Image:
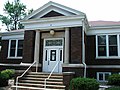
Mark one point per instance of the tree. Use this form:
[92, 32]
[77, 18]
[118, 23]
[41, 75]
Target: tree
[6, 21]
[15, 11]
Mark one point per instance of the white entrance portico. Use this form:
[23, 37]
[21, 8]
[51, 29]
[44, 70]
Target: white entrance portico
[52, 16]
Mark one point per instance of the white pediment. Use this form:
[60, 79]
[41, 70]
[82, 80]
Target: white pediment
[50, 8]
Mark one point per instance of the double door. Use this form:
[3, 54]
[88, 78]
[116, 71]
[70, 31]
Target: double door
[53, 57]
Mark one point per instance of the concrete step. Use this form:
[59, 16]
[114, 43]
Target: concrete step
[41, 82]
[35, 81]
[44, 73]
[42, 79]
[32, 88]
[44, 76]
[42, 85]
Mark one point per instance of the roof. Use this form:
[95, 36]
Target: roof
[103, 23]
[52, 6]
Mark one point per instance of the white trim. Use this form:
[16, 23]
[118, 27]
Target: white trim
[21, 64]
[72, 65]
[50, 5]
[17, 34]
[103, 66]
[53, 22]
[111, 29]
[16, 48]
[103, 76]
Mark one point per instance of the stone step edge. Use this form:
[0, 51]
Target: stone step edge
[61, 86]
[29, 75]
[44, 73]
[41, 79]
[24, 87]
[33, 81]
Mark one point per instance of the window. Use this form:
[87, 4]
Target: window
[103, 76]
[107, 45]
[102, 45]
[58, 42]
[15, 48]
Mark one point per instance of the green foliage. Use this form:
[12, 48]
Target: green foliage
[114, 80]
[6, 20]
[84, 84]
[14, 12]
[5, 75]
[113, 88]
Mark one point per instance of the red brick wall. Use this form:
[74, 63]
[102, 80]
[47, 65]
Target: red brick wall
[76, 45]
[28, 46]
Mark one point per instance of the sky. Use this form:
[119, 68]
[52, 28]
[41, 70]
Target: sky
[107, 10]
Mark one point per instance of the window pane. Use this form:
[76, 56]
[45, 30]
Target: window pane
[100, 76]
[53, 55]
[12, 48]
[20, 43]
[54, 42]
[112, 39]
[19, 52]
[113, 51]
[102, 40]
[13, 43]
[20, 48]
[101, 50]
[106, 76]
[12, 52]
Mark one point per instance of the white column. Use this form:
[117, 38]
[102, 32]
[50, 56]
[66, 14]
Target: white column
[66, 46]
[36, 51]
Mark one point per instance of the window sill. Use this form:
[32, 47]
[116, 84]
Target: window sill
[14, 57]
[108, 57]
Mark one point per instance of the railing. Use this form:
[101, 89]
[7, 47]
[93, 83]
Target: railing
[50, 75]
[24, 73]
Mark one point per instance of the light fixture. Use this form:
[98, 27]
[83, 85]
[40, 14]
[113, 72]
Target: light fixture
[52, 32]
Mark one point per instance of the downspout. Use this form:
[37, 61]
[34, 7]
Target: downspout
[83, 48]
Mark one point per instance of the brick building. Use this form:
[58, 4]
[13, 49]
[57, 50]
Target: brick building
[58, 35]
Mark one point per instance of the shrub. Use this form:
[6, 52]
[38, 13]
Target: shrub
[84, 84]
[113, 88]
[5, 75]
[114, 80]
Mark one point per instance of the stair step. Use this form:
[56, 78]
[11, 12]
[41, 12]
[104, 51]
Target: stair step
[44, 76]
[35, 81]
[41, 82]
[32, 78]
[34, 88]
[41, 85]
[44, 73]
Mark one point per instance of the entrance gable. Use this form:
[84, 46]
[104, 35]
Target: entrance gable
[54, 9]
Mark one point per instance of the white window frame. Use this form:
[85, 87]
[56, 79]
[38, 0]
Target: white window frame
[16, 48]
[103, 76]
[107, 46]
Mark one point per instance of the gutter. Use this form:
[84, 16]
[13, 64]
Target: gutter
[83, 49]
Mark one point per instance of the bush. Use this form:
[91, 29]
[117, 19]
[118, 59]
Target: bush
[5, 75]
[114, 80]
[113, 88]
[84, 84]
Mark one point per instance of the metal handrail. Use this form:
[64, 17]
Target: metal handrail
[24, 73]
[50, 75]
